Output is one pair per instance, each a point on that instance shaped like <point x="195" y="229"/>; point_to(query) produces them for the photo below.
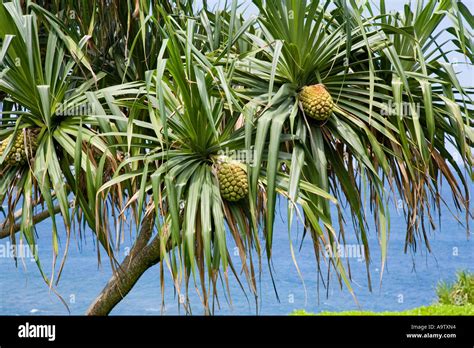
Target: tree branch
<point x="142" y="256"/>
<point x="7" y="229"/>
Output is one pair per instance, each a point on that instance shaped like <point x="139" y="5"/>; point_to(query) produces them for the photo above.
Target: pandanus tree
<point x="307" y="50"/>
<point x="303" y="93"/>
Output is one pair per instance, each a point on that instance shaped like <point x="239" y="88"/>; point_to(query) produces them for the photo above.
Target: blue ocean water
<point x="409" y="279"/>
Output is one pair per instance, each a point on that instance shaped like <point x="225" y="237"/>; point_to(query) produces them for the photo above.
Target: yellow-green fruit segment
<point x="233" y="182"/>
<point x="19" y="154"/>
<point x="317" y="102"/>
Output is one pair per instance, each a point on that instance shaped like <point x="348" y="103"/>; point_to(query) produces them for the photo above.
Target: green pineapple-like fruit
<point x="317" y="102"/>
<point x="19" y="154"/>
<point x="233" y="182"/>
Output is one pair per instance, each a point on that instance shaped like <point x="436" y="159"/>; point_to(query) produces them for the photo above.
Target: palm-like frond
<point x="44" y="93"/>
<point x="362" y="146"/>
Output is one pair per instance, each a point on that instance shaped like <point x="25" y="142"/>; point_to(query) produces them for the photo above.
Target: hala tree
<point x="305" y="88"/>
